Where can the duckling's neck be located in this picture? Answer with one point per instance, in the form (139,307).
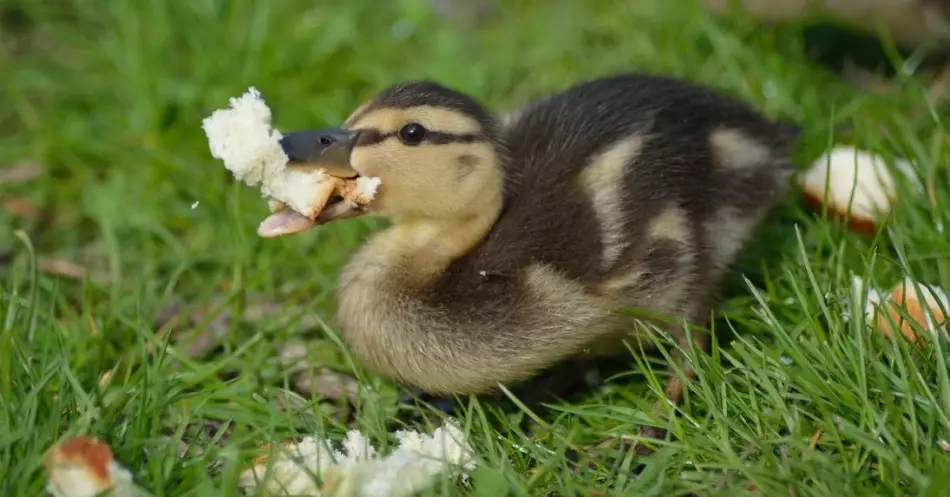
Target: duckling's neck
(416,251)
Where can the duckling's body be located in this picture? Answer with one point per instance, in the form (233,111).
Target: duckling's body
(514,243)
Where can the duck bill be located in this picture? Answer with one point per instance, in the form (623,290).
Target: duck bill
(328,149)
(289,222)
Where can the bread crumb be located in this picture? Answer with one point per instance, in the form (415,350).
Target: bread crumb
(855,177)
(105,378)
(84,467)
(358,470)
(366,189)
(914,299)
(362,191)
(923,305)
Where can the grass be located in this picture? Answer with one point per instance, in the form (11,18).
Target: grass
(108,97)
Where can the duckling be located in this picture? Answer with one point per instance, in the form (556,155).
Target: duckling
(515,243)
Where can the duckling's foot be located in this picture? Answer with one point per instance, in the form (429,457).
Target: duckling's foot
(447,405)
(641,448)
(564,380)
(644,448)
(643,444)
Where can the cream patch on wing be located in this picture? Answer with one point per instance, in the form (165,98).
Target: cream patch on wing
(728,230)
(625,281)
(734,149)
(563,300)
(667,292)
(603,181)
(671,224)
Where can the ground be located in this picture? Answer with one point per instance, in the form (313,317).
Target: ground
(103,101)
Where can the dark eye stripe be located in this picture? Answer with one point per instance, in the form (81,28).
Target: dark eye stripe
(371,137)
(375,137)
(444,138)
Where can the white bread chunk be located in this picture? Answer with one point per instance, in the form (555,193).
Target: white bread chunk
(243,138)
(855,185)
(84,467)
(357,470)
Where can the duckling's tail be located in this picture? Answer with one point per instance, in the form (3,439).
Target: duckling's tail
(786,139)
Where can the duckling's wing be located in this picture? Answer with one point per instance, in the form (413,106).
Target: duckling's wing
(595,168)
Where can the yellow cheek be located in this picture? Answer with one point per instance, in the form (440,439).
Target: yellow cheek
(365,162)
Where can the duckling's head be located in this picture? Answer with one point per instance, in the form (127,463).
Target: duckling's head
(435,150)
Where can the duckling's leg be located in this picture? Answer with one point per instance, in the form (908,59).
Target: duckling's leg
(676,383)
(673,391)
(414,403)
(561,380)
(447,405)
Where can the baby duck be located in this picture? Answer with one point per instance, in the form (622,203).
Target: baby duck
(515,242)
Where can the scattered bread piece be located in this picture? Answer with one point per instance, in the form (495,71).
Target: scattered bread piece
(874,297)
(357,470)
(84,467)
(913,300)
(857,178)
(905,307)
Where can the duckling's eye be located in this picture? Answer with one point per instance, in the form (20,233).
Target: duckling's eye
(412,134)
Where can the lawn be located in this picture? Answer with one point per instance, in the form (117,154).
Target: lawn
(184,323)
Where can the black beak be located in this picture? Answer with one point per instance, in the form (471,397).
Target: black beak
(327,148)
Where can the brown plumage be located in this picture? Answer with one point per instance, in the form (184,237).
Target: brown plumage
(515,241)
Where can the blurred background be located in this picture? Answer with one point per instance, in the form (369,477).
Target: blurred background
(108,186)
(104,165)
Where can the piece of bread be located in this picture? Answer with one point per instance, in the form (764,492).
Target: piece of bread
(907,307)
(243,138)
(857,178)
(359,192)
(84,467)
(357,469)
(913,305)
